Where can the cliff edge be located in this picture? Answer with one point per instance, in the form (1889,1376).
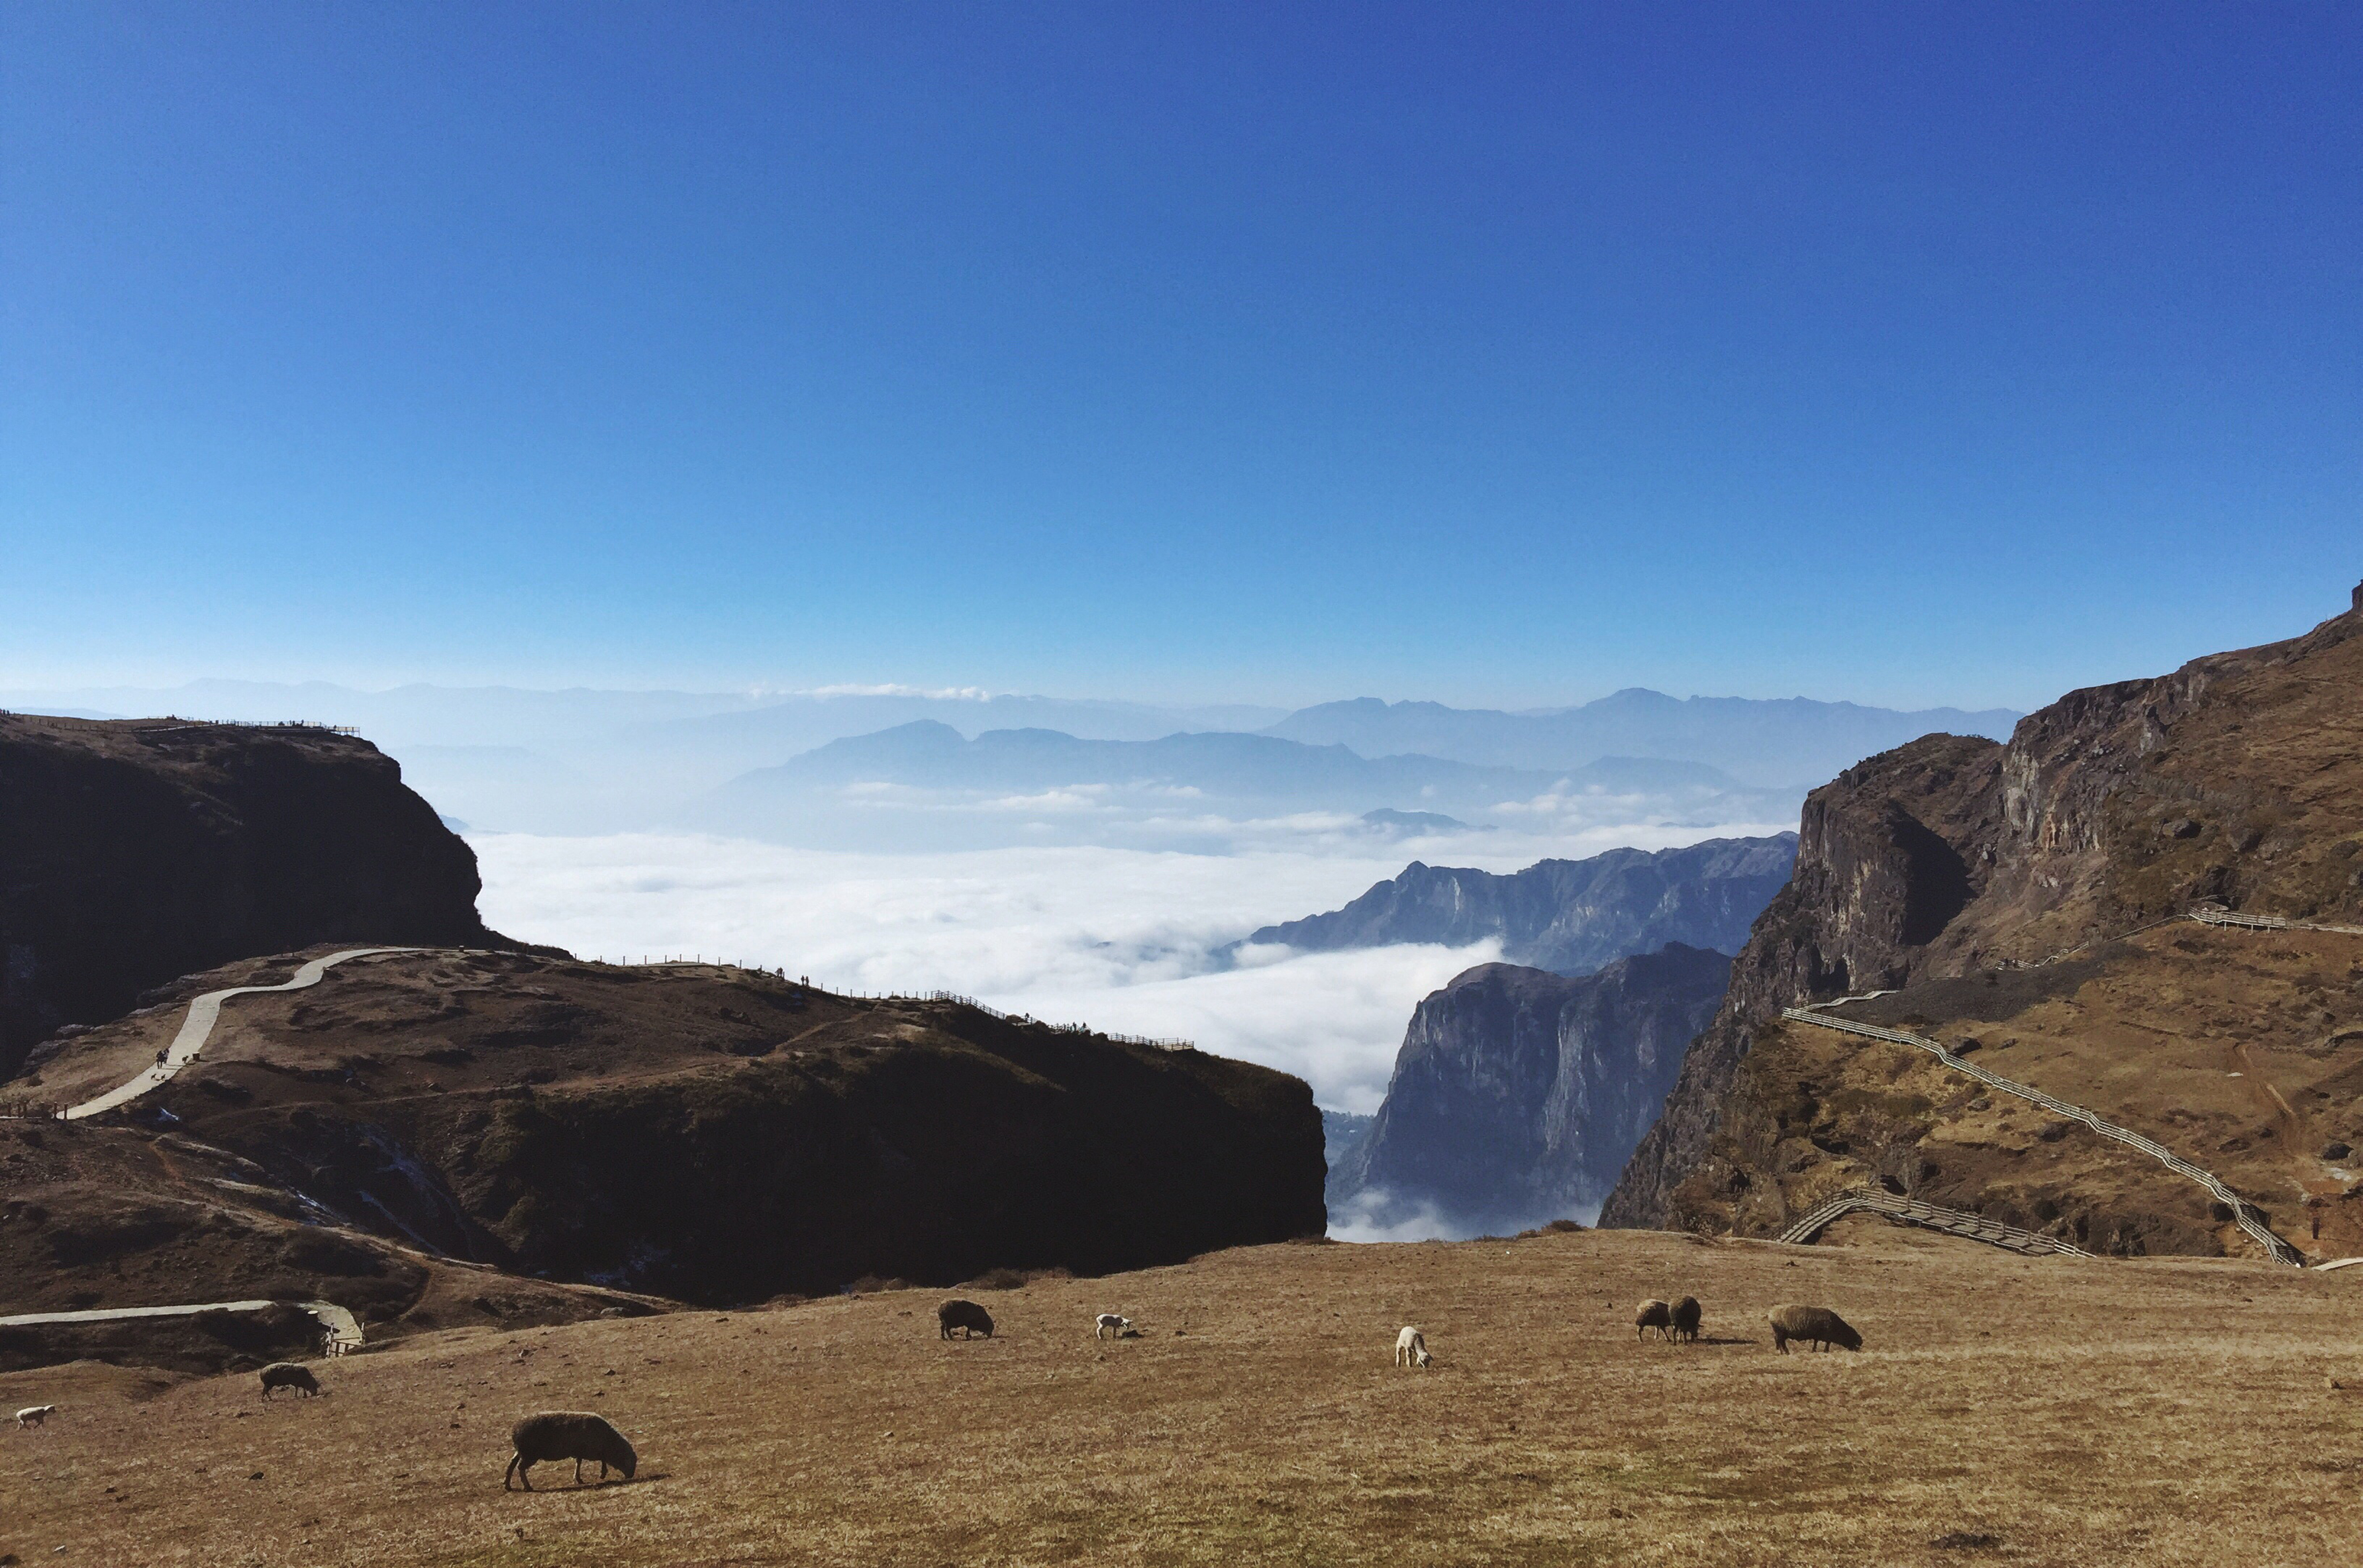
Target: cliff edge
(135,851)
(1570,917)
(2237,779)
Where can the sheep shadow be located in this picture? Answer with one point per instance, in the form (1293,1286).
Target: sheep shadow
(1726,1340)
(609,1485)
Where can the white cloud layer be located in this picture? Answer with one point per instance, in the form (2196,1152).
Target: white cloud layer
(1117,938)
(1379,1214)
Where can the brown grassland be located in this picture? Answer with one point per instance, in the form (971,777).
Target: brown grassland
(2004,1409)
(2240,1051)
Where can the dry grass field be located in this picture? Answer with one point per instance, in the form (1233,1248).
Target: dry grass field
(2241,1051)
(2004,1409)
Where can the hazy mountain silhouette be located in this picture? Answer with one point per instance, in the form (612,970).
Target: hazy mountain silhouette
(1792,741)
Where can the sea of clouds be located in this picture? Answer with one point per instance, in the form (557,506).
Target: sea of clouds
(1119,938)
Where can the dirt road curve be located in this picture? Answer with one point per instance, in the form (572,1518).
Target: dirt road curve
(343,1327)
(199,1025)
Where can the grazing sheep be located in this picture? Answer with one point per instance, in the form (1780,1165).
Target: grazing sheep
(1653,1314)
(34,1415)
(1111,1325)
(1818,1325)
(288,1374)
(1411,1348)
(1686,1318)
(577,1435)
(969,1318)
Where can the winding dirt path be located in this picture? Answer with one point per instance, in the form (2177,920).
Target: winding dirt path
(2276,1248)
(342,1328)
(198,1026)
(2290,1124)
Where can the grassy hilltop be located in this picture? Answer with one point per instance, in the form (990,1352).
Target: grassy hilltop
(2004,1409)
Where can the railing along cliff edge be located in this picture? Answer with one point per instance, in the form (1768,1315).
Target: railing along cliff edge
(1952,1221)
(2242,1215)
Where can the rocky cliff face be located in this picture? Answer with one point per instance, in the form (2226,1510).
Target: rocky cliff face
(1340,1131)
(2238,779)
(1518,1094)
(721,1135)
(1570,917)
(137,851)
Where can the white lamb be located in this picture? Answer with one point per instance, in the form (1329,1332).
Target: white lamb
(34,1415)
(1111,1325)
(1410,1349)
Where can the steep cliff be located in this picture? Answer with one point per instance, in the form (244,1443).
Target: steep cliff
(1570,917)
(137,851)
(722,1136)
(2238,779)
(1518,1094)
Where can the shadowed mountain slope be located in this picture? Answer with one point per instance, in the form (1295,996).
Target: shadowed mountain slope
(2238,779)
(140,850)
(718,1135)
(121,1214)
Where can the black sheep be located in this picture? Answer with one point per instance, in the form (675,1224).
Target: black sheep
(577,1435)
(288,1374)
(969,1318)
(1817,1326)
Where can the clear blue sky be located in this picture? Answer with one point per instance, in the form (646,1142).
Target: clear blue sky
(1505,353)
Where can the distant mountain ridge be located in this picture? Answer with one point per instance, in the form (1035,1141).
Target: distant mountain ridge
(583,760)
(586,760)
(760,727)
(1570,917)
(1789,742)
(1185,774)
(928,754)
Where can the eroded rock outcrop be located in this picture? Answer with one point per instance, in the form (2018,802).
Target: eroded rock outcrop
(2238,779)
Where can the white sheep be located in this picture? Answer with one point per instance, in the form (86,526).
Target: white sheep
(34,1415)
(1410,1349)
(1111,1325)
